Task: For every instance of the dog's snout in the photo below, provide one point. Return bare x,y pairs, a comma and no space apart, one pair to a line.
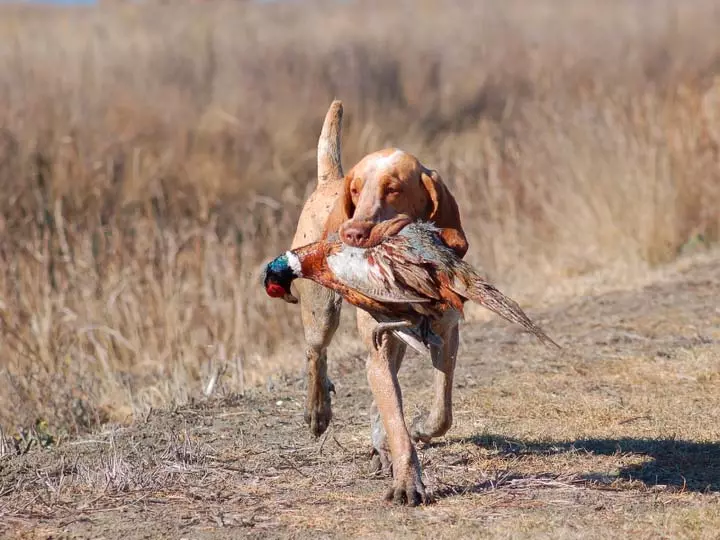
355,234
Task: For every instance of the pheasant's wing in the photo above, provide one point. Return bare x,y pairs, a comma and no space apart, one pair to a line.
370,273
410,270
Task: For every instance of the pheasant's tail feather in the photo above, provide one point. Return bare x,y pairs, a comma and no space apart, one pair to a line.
484,293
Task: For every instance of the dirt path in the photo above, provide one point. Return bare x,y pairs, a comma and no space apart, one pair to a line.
618,436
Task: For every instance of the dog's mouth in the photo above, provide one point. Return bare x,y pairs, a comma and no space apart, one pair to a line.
386,228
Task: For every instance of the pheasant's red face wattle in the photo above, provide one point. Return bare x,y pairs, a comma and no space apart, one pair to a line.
275,290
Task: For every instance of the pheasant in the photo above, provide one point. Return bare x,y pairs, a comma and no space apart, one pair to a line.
407,279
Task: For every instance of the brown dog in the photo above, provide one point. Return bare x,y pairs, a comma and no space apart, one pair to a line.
382,186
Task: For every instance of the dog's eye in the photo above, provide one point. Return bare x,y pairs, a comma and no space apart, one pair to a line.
390,190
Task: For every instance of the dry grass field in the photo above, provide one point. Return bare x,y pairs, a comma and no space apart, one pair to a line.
153,157
617,437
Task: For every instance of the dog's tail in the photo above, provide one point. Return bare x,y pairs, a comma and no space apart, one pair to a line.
328,152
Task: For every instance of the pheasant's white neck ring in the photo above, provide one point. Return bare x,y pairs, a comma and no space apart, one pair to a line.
294,263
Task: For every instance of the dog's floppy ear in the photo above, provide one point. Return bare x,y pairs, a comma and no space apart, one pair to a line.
342,210
346,197
444,211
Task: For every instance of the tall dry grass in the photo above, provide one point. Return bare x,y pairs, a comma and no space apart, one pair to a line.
151,158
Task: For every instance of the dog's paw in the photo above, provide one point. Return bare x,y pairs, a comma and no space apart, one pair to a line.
318,419
318,409
409,491
380,462
425,427
408,487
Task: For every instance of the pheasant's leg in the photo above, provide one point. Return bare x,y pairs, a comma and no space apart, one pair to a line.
320,310
382,367
427,335
382,328
439,420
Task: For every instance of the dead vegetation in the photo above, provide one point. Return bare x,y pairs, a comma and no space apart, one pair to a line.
610,439
151,158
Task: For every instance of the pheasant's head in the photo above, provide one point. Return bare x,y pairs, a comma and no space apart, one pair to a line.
279,275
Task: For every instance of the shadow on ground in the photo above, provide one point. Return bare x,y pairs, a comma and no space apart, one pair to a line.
683,465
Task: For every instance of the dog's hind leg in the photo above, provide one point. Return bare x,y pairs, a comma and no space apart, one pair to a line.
439,420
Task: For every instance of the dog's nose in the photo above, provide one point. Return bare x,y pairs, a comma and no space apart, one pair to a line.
355,234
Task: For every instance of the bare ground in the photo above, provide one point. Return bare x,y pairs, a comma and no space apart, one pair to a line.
618,436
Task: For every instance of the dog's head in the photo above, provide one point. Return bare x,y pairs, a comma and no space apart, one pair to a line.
389,184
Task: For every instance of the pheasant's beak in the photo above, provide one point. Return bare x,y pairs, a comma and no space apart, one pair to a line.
289,298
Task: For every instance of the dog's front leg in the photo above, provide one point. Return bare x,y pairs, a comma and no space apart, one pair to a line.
320,309
382,376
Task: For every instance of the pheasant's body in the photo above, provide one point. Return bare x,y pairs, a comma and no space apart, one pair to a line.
409,276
